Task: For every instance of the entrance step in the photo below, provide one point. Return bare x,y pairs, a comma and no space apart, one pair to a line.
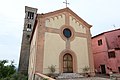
69,76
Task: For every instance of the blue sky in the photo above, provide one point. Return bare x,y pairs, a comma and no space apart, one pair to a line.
102,14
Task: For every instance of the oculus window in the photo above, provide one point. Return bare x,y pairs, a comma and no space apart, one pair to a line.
67,33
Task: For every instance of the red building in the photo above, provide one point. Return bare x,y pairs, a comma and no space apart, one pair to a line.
106,51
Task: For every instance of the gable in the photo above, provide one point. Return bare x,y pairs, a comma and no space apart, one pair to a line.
67,17
77,25
55,21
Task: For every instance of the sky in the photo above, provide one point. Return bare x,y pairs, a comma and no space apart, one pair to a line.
103,15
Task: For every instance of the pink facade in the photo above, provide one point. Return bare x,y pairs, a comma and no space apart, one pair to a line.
106,51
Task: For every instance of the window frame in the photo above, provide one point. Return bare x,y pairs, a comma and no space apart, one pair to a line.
67,63
67,33
111,54
30,15
100,42
29,27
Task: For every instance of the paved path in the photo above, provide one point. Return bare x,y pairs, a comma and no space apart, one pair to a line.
90,78
93,78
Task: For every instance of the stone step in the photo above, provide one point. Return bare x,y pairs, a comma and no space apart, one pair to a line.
69,76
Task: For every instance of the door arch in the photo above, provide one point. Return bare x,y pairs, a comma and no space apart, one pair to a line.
67,63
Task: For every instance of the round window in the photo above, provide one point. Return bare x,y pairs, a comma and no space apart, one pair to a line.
67,33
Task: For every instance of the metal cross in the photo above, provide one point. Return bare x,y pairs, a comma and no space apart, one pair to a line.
66,3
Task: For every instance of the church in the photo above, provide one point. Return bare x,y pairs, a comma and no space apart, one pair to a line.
60,38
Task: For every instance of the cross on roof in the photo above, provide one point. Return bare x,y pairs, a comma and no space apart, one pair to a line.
66,3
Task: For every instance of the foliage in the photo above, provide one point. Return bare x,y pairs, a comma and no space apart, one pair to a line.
86,69
6,70
44,79
15,76
52,68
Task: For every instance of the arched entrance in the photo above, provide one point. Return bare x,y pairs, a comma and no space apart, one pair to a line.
67,63
68,57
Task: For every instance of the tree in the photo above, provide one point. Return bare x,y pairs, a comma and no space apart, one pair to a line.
6,70
16,76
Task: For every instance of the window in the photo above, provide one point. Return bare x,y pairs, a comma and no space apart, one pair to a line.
118,36
28,36
29,26
100,42
67,33
119,69
30,15
111,54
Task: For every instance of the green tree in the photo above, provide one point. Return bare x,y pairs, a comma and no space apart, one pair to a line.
6,70
16,76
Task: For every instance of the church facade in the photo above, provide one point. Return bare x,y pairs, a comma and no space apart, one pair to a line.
60,38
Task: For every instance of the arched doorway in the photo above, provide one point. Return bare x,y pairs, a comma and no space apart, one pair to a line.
67,63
